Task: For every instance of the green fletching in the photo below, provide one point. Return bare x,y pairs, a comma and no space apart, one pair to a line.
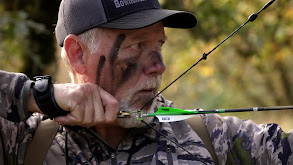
171,111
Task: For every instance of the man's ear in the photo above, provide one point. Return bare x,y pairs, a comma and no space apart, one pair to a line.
75,53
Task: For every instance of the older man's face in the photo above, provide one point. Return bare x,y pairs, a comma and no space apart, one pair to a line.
129,64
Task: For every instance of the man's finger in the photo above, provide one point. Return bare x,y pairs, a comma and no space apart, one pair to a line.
110,104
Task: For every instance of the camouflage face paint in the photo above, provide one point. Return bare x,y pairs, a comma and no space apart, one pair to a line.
130,65
113,56
116,47
100,68
156,57
129,69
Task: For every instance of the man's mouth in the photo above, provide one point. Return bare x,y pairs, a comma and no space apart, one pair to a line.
147,91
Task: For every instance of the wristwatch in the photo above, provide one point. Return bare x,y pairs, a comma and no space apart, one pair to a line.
43,91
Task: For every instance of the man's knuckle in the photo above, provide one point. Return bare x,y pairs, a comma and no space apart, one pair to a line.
113,102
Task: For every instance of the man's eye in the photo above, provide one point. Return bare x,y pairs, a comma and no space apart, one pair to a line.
136,46
160,45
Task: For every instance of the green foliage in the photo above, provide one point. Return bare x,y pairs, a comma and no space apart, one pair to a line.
14,32
26,32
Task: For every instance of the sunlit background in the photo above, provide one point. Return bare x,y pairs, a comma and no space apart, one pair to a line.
253,68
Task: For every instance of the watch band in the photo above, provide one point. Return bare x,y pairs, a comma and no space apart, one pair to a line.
43,91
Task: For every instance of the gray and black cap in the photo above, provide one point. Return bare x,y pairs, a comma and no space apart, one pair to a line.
78,16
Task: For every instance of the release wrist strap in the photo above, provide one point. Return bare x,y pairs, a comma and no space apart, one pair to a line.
43,91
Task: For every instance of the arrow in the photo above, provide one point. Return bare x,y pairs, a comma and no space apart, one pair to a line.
168,114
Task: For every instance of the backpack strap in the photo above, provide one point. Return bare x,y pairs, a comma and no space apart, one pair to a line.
41,142
197,124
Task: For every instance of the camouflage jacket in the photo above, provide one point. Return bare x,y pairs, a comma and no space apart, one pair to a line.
235,141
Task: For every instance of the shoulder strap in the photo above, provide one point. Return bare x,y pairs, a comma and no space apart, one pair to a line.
196,123
41,142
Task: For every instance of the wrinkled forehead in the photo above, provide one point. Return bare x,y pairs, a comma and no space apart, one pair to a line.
138,34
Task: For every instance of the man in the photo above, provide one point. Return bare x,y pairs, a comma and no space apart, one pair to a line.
112,50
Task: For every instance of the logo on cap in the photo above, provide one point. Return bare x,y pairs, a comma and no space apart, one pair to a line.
121,3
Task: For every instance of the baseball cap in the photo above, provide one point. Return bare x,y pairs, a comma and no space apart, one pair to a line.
78,16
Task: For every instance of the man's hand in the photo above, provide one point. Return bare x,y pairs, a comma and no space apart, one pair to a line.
88,104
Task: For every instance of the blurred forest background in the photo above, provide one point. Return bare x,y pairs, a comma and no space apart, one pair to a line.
253,68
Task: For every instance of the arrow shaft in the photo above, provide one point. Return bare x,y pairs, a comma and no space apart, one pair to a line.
251,109
168,114
167,111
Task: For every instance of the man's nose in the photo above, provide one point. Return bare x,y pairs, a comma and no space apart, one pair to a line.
155,64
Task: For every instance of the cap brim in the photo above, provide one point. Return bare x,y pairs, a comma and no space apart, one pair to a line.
144,18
